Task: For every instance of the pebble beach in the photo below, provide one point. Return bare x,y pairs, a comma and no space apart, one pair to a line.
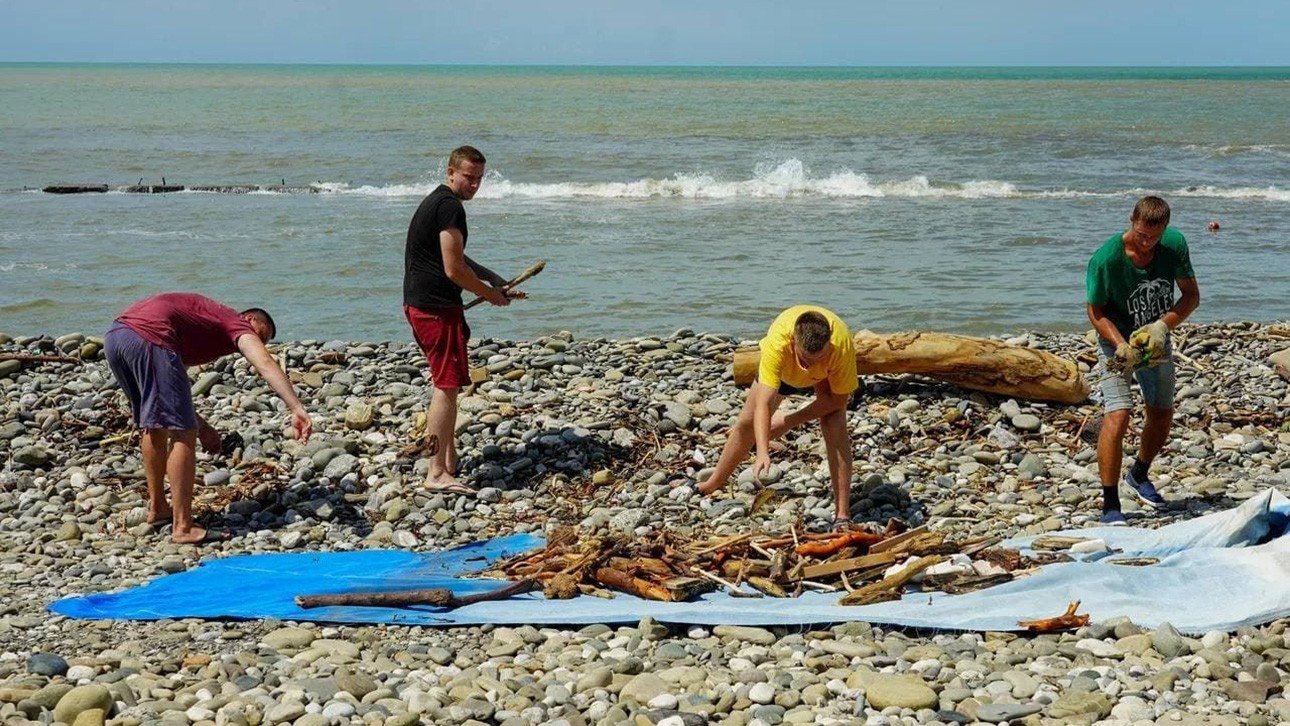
610,435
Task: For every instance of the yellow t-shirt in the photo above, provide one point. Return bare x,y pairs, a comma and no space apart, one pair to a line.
779,363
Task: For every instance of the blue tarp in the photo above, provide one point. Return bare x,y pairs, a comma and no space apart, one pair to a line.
1216,572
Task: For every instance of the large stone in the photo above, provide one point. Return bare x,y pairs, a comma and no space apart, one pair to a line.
883,690
1079,703
595,678
1026,422
759,636
46,664
1281,363
82,698
284,712
678,413
1168,642
1251,691
205,382
91,717
9,368
359,417
358,684
288,638
997,712
340,466
49,696
32,456
642,688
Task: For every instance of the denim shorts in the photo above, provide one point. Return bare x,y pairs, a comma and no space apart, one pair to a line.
153,378
1156,382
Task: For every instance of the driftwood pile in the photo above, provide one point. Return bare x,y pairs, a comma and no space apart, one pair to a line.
867,566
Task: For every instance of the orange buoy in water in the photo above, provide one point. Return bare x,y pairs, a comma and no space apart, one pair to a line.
1213,225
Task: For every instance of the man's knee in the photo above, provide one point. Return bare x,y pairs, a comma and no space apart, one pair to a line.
1116,422
1156,412
834,419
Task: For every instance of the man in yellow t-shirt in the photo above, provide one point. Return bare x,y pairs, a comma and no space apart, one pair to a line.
806,347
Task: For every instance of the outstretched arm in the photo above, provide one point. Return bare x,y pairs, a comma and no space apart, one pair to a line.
258,356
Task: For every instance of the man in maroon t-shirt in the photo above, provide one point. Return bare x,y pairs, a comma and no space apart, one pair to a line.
435,271
149,348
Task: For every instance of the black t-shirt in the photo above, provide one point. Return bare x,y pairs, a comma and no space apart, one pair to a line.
424,283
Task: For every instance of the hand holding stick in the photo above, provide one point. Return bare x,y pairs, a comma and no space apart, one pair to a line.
531,272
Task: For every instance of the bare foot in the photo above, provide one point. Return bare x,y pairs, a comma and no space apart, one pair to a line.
709,486
447,484
198,535
159,514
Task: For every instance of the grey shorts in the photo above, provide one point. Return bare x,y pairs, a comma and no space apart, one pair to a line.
1156,382
153,378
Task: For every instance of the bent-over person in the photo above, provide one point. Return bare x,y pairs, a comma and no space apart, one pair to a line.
807,349
149,348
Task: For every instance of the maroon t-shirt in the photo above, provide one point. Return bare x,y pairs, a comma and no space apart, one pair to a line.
196,327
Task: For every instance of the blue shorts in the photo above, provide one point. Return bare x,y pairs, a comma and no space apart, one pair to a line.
1156,382
153,378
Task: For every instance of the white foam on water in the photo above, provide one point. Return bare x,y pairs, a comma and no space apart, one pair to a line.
785,180
790,179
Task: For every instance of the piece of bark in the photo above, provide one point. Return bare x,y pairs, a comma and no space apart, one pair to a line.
974,363
560,587
1002,557
972,583
767,586
1066,621
850,565
889,588
893,542
619,580
440,597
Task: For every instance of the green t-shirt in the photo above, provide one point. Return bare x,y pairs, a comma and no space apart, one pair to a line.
1134,296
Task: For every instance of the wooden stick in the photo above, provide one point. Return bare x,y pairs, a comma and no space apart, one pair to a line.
730,586
1066,621
402,598
532,271
30,358
889,588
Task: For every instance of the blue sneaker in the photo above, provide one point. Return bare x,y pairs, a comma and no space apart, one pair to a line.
1112,518
1145,490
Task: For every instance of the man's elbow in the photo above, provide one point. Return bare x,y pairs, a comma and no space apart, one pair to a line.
456,273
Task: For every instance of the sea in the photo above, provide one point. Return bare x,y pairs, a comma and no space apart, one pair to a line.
962,200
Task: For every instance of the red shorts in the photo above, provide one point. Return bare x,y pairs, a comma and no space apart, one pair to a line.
442,334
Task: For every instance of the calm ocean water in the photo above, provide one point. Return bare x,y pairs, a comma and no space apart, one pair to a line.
963,200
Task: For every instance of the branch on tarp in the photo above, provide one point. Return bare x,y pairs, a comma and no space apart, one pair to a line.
439,597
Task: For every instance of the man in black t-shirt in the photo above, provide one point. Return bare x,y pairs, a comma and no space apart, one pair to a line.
435,271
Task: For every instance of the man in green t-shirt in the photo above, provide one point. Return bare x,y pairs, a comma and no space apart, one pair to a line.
1131,304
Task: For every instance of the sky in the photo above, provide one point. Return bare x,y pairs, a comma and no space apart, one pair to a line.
651,32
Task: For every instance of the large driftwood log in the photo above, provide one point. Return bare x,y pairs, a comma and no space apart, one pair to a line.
974,363
441,597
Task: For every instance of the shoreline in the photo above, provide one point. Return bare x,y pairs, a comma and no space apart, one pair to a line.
589,431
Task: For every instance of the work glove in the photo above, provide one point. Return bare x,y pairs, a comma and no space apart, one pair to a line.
1126,359
1150,339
